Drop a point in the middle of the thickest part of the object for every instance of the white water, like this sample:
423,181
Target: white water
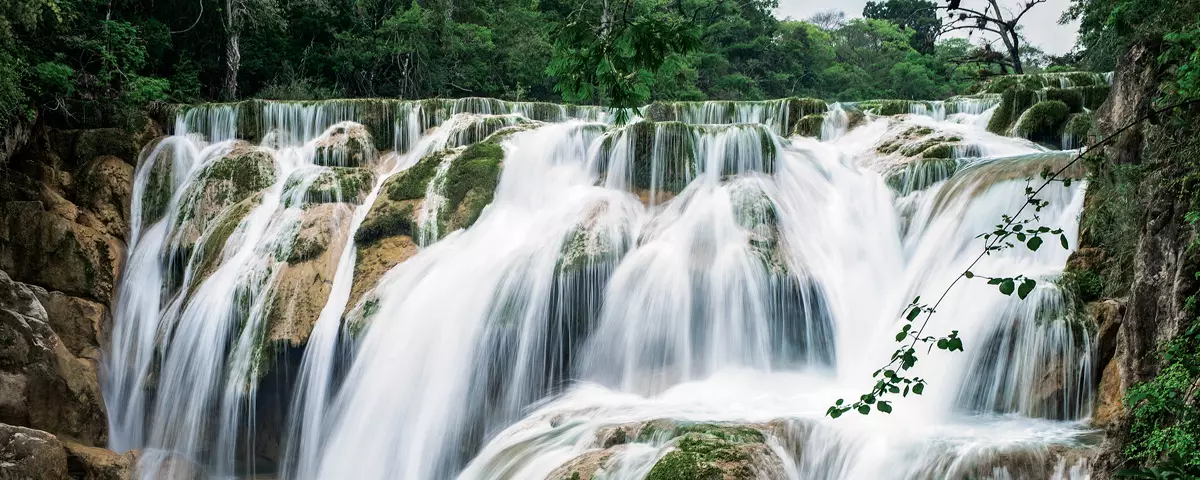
770,285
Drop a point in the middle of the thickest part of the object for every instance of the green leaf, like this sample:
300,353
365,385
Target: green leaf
884,407
1026,288
995,281
864,409
968,274
912,314
1007,286
942,344
1034,243
1063,239
918,388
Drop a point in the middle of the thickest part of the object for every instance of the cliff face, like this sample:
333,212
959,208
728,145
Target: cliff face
1155,293
64,206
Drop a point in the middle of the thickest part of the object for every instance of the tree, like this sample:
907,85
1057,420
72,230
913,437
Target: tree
613,58
919,15
828,20
236,15
993,19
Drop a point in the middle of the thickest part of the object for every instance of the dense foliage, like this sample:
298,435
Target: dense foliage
89,62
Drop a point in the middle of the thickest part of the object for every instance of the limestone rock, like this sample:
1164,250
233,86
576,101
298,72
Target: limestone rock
95,463
304,284
375,260
104,190
348,144
27,454
45,386
82,325
1110,397
584,467
1107,314
41,248
237,175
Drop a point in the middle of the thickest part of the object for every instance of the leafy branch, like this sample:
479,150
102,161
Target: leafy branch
892,378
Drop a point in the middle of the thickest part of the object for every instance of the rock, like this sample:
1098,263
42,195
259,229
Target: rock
78,147
1043,121
376,259
95,463
347,144
41,248
27,454
334,185
104,190
56,204
584,467
715,456
1086,258
237,175
81,324
1135,87
1110,397
303,286
46,387
1107,315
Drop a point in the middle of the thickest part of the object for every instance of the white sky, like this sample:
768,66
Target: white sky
1041,23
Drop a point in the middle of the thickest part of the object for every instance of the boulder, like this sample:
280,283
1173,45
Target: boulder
39,247
46,387
237,175
104,190
82,325
346,144
27,454
95,463
304,284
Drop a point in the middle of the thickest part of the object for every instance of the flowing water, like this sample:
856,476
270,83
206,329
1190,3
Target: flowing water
623,283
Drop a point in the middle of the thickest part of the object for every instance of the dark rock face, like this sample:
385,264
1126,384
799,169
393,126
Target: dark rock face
64,217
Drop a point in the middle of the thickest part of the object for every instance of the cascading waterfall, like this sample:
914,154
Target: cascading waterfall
476,288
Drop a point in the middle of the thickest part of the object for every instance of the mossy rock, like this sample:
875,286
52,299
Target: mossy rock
471,182
920,174
348,144
479,127
386,219
412,183
1012,104
1043,121
235,176
887,108
1073,98
1094,95
212,244
715,453
156,195
810,126
331,185
1078,128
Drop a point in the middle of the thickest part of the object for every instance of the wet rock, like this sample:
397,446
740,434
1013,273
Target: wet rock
304,284
348,144
1086,258
95,463
1107,315
712,455
104,190
584,467
335,185
239,174
27,454
45,249
810,125
46,387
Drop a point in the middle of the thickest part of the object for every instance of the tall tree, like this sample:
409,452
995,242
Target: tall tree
1003,22
919,15
236,15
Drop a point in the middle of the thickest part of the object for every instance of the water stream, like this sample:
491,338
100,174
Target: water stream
623,285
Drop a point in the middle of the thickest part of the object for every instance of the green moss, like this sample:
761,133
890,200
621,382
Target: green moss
810,126
660,112
305,249
1078,127
412,183
707,452
214,242
1094,95
941,150
157,194
338,184
1012,104
1085,285
249,170
477,170
1043,121
798,108
886,107
1073,98
676,159
920,174
386,220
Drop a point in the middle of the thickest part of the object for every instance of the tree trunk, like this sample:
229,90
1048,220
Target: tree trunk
233,60
233,53
1014,51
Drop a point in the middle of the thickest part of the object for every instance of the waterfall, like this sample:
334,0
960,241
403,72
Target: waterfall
483,289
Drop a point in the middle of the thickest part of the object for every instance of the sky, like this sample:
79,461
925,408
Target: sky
1041,23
